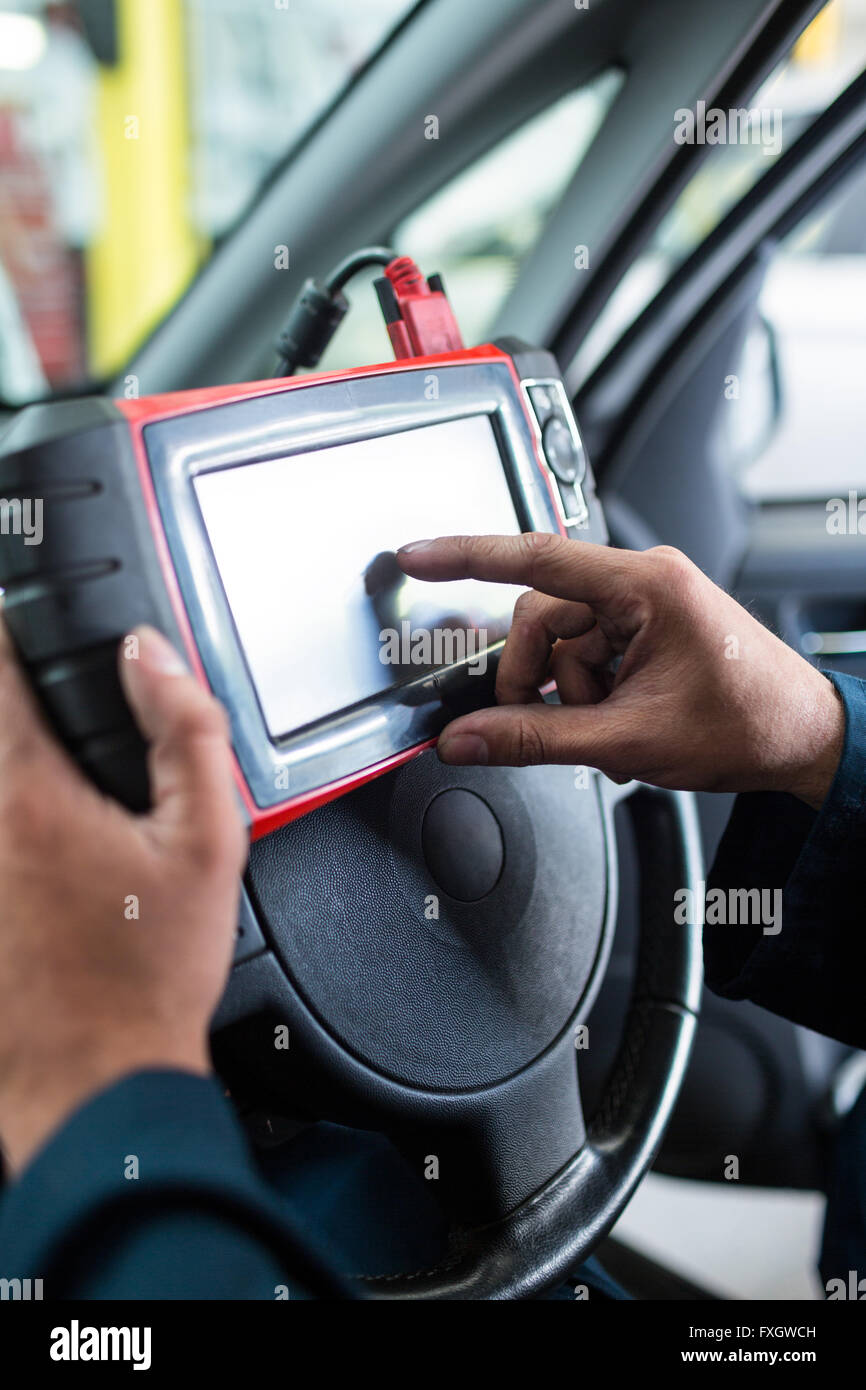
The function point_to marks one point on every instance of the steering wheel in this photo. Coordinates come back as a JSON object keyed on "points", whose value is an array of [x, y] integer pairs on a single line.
{"points": [[433, 942]]}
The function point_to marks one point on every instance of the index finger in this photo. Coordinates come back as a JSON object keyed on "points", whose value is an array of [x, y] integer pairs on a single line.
{"points": [[576, 570]]}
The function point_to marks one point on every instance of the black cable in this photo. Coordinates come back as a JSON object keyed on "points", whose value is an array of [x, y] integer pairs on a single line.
{"points": [[351, 265], [320, 309]]}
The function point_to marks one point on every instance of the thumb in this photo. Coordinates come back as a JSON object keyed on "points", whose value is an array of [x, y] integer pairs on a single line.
{"points": [[522, 735], [190, 750]]}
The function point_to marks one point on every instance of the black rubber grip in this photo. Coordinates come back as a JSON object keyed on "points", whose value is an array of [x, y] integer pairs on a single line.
{"points": [[79, 568]]}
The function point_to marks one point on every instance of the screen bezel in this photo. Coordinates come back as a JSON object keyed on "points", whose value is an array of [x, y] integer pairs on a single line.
{"points": [[301, 420]]}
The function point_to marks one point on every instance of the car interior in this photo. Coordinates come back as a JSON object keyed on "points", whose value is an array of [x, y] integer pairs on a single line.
{"points": [[524, 149]]}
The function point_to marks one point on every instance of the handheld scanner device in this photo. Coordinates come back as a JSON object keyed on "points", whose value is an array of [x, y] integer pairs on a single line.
{"points": [[255, 525]]}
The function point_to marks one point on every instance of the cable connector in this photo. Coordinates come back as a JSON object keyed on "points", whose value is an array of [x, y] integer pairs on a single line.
{"points": [[418, 316], [316, 315], [417, 313]]}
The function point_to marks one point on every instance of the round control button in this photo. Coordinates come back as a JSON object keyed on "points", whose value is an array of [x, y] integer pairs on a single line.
{"points": [[463, 845], [561, 452]]}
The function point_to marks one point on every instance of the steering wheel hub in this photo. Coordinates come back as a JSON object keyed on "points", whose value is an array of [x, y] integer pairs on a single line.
{"points": [[463, 845], [460, 934]]}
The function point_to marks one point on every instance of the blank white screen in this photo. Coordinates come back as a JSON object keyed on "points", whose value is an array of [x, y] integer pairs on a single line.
{"points": [[293, 537]]}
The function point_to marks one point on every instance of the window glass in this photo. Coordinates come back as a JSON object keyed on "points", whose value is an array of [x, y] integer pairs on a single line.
{"points": [[827, 57], [478, 228], [794, 426]]}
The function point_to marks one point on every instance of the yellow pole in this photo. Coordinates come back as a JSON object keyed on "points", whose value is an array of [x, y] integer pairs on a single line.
{"points": [[146, 249]]}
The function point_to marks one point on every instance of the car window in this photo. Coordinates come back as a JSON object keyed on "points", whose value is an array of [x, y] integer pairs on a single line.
{"points": [[476, 230], [479, 228], [133, 133], [794, 426], [827, 57]]}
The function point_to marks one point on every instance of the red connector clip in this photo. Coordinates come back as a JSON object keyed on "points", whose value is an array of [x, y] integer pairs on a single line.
{"points": [[419, 318]]}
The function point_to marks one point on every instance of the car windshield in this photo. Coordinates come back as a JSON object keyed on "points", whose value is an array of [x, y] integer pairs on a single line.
{"points": [[133, 134]]}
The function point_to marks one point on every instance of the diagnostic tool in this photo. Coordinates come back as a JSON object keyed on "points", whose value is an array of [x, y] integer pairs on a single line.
{"points": [[256, 525]]}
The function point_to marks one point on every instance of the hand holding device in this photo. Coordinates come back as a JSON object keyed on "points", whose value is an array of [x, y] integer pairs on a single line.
{"points": [[117, 929]]}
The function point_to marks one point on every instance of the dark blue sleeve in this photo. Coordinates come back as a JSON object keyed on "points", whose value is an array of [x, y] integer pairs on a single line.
{"points": [[149, 1191], [812, 969]]}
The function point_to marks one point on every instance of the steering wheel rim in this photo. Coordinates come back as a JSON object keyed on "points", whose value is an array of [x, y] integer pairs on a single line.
{"points": [[533, 1237], [532, 1249]]}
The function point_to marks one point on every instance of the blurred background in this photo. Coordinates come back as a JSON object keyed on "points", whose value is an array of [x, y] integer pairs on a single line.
{"points": [[135, 132], [132, 134]]}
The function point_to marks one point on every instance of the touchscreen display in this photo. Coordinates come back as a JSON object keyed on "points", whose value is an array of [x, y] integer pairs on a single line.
{"points": [[305, 546]]}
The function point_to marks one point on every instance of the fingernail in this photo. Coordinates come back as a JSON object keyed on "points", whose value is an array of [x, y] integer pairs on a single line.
{"points": [[414, 547], [157, 653], [464, 749]]}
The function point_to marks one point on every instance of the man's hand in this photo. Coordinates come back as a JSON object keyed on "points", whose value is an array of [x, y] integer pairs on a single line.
{"points": [[117, 931], [704, 698]]}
